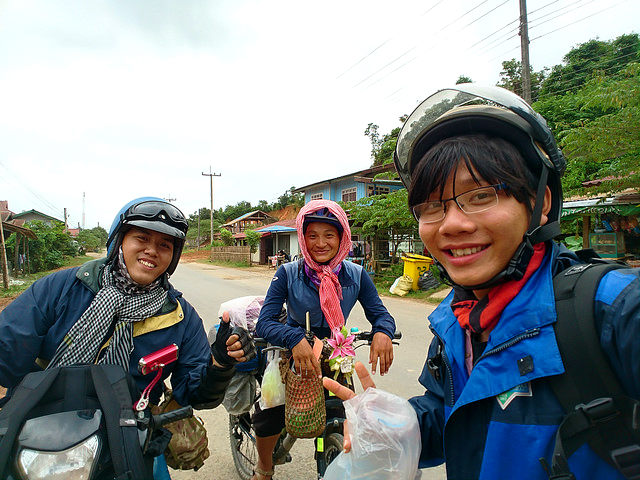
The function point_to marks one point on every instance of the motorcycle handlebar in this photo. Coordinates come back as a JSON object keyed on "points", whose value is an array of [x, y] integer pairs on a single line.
{"points": [[360, 336], [172, 416]]}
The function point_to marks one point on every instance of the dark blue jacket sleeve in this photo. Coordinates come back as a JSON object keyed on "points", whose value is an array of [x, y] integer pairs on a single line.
{"points": [[430, 411], [24, 323], [617, 312], [375, 311], [194, 357], [268, 325]]}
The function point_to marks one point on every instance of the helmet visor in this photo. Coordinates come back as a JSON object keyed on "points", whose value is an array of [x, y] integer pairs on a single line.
{"points": [[443, 101], [158, 216]]}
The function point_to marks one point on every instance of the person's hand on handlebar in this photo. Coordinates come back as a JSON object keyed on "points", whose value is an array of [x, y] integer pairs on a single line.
{"points": [[232, 345], [381, 350], [305, 360], [345, 393]]}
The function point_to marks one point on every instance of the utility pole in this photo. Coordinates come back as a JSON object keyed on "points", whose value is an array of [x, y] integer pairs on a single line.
{"points": [[198, 246], [524, 47], [83, 195], [211, 175], [66, 227], [5, 268]]}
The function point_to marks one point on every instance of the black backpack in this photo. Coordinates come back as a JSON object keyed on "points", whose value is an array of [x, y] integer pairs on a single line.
{"points": [[598, 410], [80, 387]]}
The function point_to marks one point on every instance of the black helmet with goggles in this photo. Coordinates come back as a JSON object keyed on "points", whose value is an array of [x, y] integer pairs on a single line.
{"points": [[470, 109], [153, 214]]}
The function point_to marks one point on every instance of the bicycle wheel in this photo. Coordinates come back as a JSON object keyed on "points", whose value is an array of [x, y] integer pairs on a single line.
{"points": [[243, 445], [332, 447]]}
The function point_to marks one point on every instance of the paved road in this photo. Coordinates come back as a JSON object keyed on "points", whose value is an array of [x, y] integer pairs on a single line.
{"points": [[207, 286]]}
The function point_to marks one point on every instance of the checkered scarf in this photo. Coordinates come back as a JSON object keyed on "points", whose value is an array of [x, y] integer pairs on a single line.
{"points": [[121, 300]]}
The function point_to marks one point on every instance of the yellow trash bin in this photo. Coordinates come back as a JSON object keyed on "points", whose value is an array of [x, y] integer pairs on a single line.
{"points": [[414, 266]]}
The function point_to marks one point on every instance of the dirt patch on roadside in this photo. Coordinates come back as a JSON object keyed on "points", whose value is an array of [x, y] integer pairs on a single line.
{"points": [[193, 255], [4, 301]]}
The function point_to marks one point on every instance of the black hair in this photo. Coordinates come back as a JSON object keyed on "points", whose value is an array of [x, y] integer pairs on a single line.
{"points": [[494, 159]]}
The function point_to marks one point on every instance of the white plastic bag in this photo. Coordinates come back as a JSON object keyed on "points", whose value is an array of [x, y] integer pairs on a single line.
{"points": [[272, 389], [401, 285], [243, 311], [385, 439]]}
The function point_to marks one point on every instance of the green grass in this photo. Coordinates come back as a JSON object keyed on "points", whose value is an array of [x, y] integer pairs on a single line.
{"points": [[15, 290]]}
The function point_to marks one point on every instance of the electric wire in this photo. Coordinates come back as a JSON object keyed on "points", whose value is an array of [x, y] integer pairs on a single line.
{"points": [[382, 44], [415, 47], [50, 206]]}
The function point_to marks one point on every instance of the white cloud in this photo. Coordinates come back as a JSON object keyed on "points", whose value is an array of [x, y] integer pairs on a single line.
{"points": [[120, 99]]}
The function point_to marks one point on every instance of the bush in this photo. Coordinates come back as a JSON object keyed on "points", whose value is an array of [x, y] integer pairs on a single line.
{"points": [[52, 244]]}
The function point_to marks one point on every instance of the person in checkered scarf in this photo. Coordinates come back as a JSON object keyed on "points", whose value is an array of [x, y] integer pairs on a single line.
{"points": [[118, 309]]}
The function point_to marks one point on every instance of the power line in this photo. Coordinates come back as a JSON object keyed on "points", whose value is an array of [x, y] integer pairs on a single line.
{"points": [[415, 47], [383, 44], [580, 20], [45, 202]]}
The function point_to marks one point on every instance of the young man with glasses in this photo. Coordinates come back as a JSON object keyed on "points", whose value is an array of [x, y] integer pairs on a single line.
{"points": [[483, 173]]}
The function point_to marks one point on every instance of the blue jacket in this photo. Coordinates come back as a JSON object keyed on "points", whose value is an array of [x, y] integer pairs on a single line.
{"points": [[291, 285], [33, 325], [497, 423]]}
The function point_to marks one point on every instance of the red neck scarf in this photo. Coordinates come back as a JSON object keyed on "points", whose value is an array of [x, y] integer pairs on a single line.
{"points": [[482, 315], [330, 290]]}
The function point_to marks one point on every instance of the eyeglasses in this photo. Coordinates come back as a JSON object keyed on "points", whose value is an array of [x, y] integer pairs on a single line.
{"points": [[472, 201]]}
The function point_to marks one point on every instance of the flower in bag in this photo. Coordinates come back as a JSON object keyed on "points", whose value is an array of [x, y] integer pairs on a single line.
{"points": [[341, 343]]}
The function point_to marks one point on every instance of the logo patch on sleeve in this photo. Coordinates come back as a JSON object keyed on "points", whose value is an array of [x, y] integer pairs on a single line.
{"points": [[522, 390]]}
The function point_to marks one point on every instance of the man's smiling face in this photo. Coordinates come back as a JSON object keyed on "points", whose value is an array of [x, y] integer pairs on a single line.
{"points": [[147, 254]]}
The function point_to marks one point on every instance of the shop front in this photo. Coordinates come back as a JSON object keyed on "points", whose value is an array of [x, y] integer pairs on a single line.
{"points": [[609, 225]]}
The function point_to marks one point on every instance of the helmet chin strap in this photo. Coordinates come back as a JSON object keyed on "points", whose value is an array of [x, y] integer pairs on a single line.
{"points": [[536, 233]]}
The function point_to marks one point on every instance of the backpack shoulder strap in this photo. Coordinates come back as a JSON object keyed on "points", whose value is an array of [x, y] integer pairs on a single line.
{"points": [[110, 383], [598, 410]]}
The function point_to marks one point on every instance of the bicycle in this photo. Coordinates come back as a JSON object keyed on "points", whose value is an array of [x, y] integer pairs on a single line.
{"points": [[327, 446]]}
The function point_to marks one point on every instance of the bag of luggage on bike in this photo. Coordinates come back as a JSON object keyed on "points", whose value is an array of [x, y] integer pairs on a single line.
{"points": [[188, 448]]}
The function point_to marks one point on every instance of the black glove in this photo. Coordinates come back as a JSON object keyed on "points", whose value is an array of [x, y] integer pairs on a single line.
{"points": [[219, 347]]}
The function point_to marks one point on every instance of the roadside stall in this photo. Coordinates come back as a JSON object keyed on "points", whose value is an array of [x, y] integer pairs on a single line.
{"points": [[609, 225]]}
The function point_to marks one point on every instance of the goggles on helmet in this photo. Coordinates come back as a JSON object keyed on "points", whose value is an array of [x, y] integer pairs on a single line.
{"points": [[151, 213]]}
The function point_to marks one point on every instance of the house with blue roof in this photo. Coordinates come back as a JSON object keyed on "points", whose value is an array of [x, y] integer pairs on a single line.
{"points": [[353, 186]]}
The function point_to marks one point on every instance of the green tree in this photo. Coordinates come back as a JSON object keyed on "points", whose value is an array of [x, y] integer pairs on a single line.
{"points": [[253, 239], [511, 78], [463, 79], [606, 145], [88, 242], [589, 58], [101, 235], [383, 213], [382, 147], [227, 237], [50, 247]]}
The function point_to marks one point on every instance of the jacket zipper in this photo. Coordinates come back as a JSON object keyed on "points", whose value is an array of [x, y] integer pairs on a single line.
{"points": [[447, 366], [509, 343]]}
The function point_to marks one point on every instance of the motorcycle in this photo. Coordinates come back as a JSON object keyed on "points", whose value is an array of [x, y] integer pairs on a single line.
{"points": [[100, 435]]}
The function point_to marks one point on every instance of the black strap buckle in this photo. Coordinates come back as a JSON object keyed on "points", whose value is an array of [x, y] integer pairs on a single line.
{"points": [[627, 460], [599, 410]]}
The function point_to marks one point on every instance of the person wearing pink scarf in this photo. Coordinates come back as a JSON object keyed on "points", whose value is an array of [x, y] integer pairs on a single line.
{"points": [[327, 286]]}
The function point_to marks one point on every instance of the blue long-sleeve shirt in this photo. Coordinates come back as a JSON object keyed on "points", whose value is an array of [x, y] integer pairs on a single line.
{"points": [[291, 285]]}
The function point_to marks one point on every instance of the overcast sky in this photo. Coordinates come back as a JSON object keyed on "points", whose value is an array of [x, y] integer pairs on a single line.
{"points": [[119, 99]]}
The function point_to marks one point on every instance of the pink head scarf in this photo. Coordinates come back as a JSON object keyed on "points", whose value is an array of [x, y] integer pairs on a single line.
{"points": [[330, 289]]}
